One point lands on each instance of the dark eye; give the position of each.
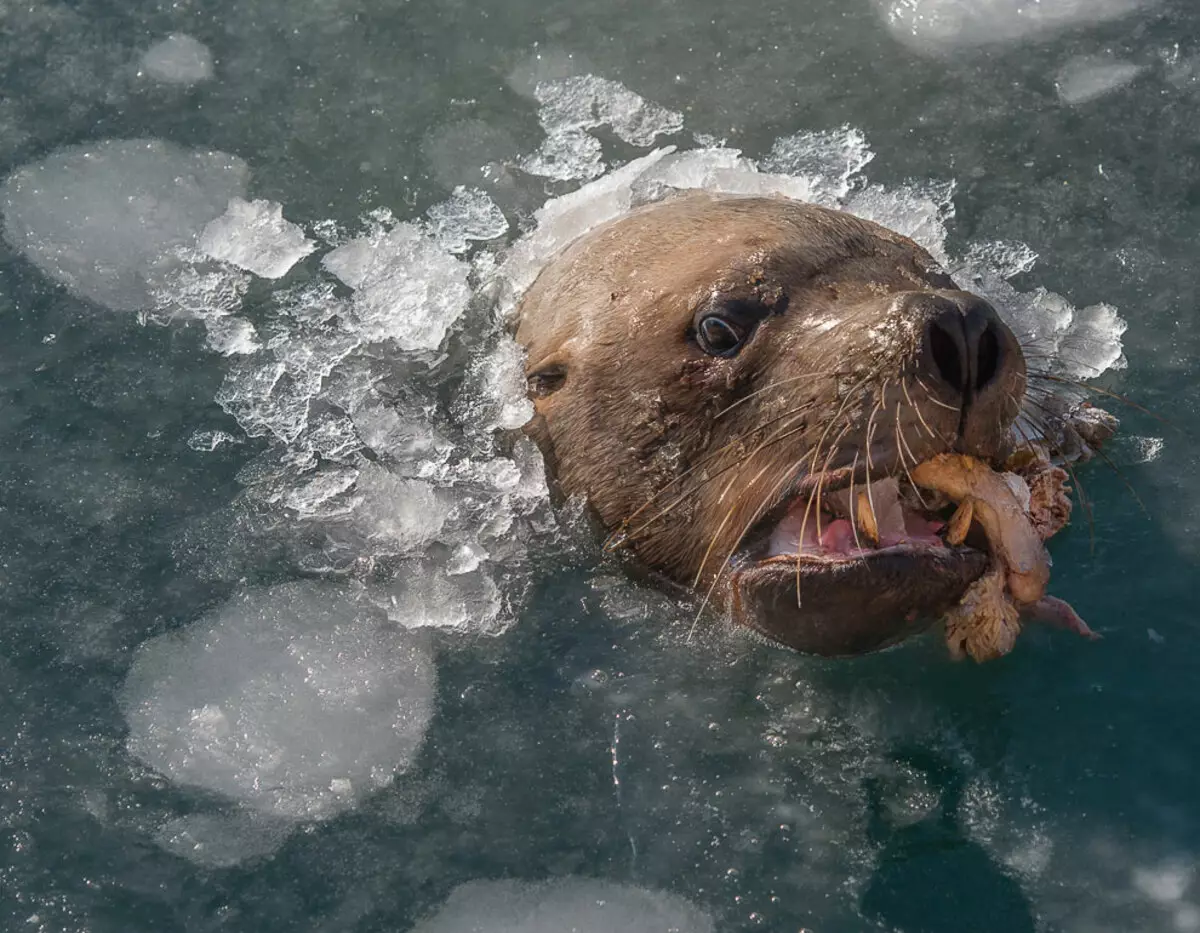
(719, 336)
(725, 324)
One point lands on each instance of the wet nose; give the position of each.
(966, 342)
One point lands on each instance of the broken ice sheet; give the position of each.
(253, 235)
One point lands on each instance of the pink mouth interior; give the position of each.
(834, 535)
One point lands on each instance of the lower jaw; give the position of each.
(843, 608)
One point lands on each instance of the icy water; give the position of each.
(292, 641)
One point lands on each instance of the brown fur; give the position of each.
(627, 403)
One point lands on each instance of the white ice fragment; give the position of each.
(494, 395)
(572, 106)
(919, 213)
(576, 904)
(408, 289)
(222, 840)
(424, 594)
(1087, 77)
(231, 336)
(828, 161)
(106, 219)
(467, 215)
(208, 441)
(316, 497)
(941, 26)
(253, 235)
(177, 59)
(397, 515)
(277, 693)
(561, 220)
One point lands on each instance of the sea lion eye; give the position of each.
(718, 336)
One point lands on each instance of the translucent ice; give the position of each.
(177, 59)
(294, 700)
(576, 904)
(1087, 77)
(222, 840)
(105, 219)
(944, 25)
(572, 106)
(469, 214)
(253, 235)
(408, 289)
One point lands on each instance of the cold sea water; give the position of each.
(291, 641)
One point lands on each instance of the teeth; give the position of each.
(960, 522)
(864, 518)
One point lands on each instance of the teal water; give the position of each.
(1053, 790)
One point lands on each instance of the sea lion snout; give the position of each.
(974, 363)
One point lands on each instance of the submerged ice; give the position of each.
(576, 904)
(294, 700)
(106, 219)
(945, 25)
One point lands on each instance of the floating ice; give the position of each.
(572, 106)
(468, 215)
(232, 336)
(576, 904)
(105, 219)
(177, 59)
(408, 290)
(1087, 77)
(210, 440)
(253, 235)
(294, 700)
(944, 25)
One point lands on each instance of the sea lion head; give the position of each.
(740, 388)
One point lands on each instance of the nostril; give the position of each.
(987, 357)
(945, 347)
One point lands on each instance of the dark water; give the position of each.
(1054, 790)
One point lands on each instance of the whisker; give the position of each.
(933, 397)
(1105, 392)
(900, 449)
(773, 385)
(916, 408)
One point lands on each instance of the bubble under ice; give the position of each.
(944, 25)
(177, 59)
(294, 700)
(577, 904)
(106, 219)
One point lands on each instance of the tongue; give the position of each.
(1012, 537)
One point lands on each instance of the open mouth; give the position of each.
(857, 520)
(863, 566)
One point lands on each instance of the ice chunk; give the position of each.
(209, 441)
(564, 219)
(397, 515)
(945, 25)
(106, 219)
(408, 289)
(253, 235)
(426, 594)
(576, 904)
(572, 106)
(827, 161)
(232, 336)
(294, 700)
(469, 214)
(177, 59)
(494, 395)
(1087, 77)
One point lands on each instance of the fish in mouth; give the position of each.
(798, 415)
